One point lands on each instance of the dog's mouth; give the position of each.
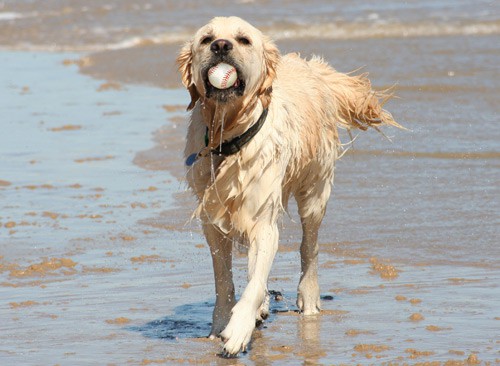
(224, 95)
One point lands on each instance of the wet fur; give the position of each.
(242, 196)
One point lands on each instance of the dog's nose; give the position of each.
(221, 46)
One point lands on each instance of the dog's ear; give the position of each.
(271, 59)
(185, 63)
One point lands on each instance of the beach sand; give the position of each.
(101, 264)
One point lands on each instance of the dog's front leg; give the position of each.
(263, 311)
(263, 247)
(221, 250)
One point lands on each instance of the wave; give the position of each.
(335, 31)
(385, 30)
(278, 32)
(10, 16)
(339, 31)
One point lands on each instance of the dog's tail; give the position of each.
(358, 105)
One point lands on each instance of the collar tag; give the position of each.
(191, 159)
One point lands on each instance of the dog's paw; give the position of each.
(263, 312)
(308, 301)
(308, 307)
(238, 332)
(217, 327)
(220, 318)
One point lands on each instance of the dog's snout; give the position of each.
(221, 46)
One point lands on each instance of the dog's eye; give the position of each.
(244, 41)
(207, 40)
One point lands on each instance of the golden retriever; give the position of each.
(250, 147)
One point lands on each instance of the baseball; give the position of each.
(222, 76)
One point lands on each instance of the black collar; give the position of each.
(233, 146)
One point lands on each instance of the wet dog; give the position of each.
(271, 135)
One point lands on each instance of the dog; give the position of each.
(271, 135)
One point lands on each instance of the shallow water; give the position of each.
(99, 264)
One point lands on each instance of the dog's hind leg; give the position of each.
(312, 206)
(221, 250)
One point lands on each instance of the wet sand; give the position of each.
(100, 264)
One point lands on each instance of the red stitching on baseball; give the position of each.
(225, 78)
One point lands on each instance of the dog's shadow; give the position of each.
(194, 320)
(187, 321)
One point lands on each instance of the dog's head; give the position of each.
(235, 42)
